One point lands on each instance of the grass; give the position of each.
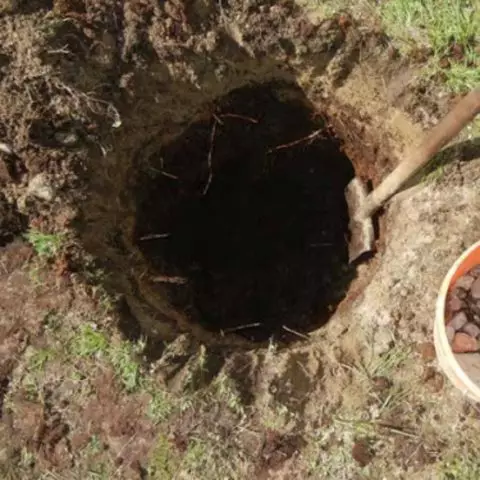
(89, 342)
(164, 461)
(160, 406)
(46, 245)
(226, 392)
(438, 24)
(460, 468)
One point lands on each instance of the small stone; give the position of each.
(475, 271)
(471, 329)
(428, 373)
(464, 282)
(455, 304)
(450, 332)
(436, 382)
(458, 321)
(475, 289)
(40, 187)
(427, 351)
(69, 139)
(362, 453)
(381, 383)
(463, 343)
(459, 293)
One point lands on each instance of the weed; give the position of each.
(52, 321)
(325, 461)
(39, 359)
(45, 245)
(466, 467)
(126, 368)
(164, 461)
(227, 393)
(94, 445)
(277, 417)
(89, 342)
(99, 472)
(160, 406)
(385, 365)
(27, 458)
(196, 458)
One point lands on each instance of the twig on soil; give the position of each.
(242, 117)
(169, 175)
(301, 335)
(154, 236)
(209, 158)
(168, 279)
(163, 172)
(313, 135)
(241, 327)
(217, 118)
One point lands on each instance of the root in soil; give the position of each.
(244, 217)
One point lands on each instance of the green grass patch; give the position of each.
(160, 406)
(439, 24)
(46, 245)
(164, 461)
(89, 342)
(460, 468)
(126, 367)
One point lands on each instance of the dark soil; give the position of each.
(259, 236)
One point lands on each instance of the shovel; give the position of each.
(362, 205)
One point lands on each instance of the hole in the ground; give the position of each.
(242, 225)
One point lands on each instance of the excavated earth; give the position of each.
(197, 154)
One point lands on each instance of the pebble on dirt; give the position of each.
(362, 453)
(40, 187)
(427, 351)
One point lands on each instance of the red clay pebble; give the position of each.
(471, 329)
(450, 332)
(455, 304)
(427, 351)
(475, 271)
(459, 293)
(475, 289)
(458, 321)
(465, 282)
(381, 383)
(463, 343)
(362, 453)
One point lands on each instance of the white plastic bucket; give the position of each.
(463, 370)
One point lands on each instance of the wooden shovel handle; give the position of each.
(460, 115)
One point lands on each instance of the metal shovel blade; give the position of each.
(362, 235)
